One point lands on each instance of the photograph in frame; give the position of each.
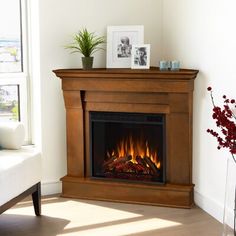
(140, 56)
(119, 44)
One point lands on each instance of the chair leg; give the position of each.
(36, 197)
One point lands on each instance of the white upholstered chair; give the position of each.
(20, 169)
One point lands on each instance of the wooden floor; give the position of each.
(67, 217)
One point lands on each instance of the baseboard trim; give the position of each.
(212, 207)
(52, 187)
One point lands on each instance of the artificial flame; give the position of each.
(134, 147)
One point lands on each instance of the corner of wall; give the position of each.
(162, 28)
(215, 209)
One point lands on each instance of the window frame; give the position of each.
(22, 78)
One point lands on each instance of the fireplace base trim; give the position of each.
(180, 196)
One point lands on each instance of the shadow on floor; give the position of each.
(67, 217)
(21, 225)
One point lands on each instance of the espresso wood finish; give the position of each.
(126, 90)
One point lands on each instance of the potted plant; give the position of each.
(86, 43)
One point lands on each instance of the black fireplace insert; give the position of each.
(128, 146)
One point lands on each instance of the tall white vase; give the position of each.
(230, 198)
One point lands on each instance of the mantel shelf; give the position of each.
(152, 73)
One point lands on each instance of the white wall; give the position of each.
(58, 20)
(202, 35)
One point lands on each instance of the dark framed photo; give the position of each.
(140, 58)
(119, 44)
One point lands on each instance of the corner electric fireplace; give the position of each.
(129, 135)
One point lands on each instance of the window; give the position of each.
(13, 62)
(9, 102)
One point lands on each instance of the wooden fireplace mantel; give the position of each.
(128, 90)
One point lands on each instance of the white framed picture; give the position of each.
(119, 44)
(140, 58)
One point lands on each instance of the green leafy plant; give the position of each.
(86, 43)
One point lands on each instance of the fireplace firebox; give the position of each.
(128, 146)
(129, 135)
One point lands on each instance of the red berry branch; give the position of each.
(225, 120)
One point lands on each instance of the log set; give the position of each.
(123, 167)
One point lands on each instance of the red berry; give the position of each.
(209, 88)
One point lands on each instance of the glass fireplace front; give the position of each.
(128, 146)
